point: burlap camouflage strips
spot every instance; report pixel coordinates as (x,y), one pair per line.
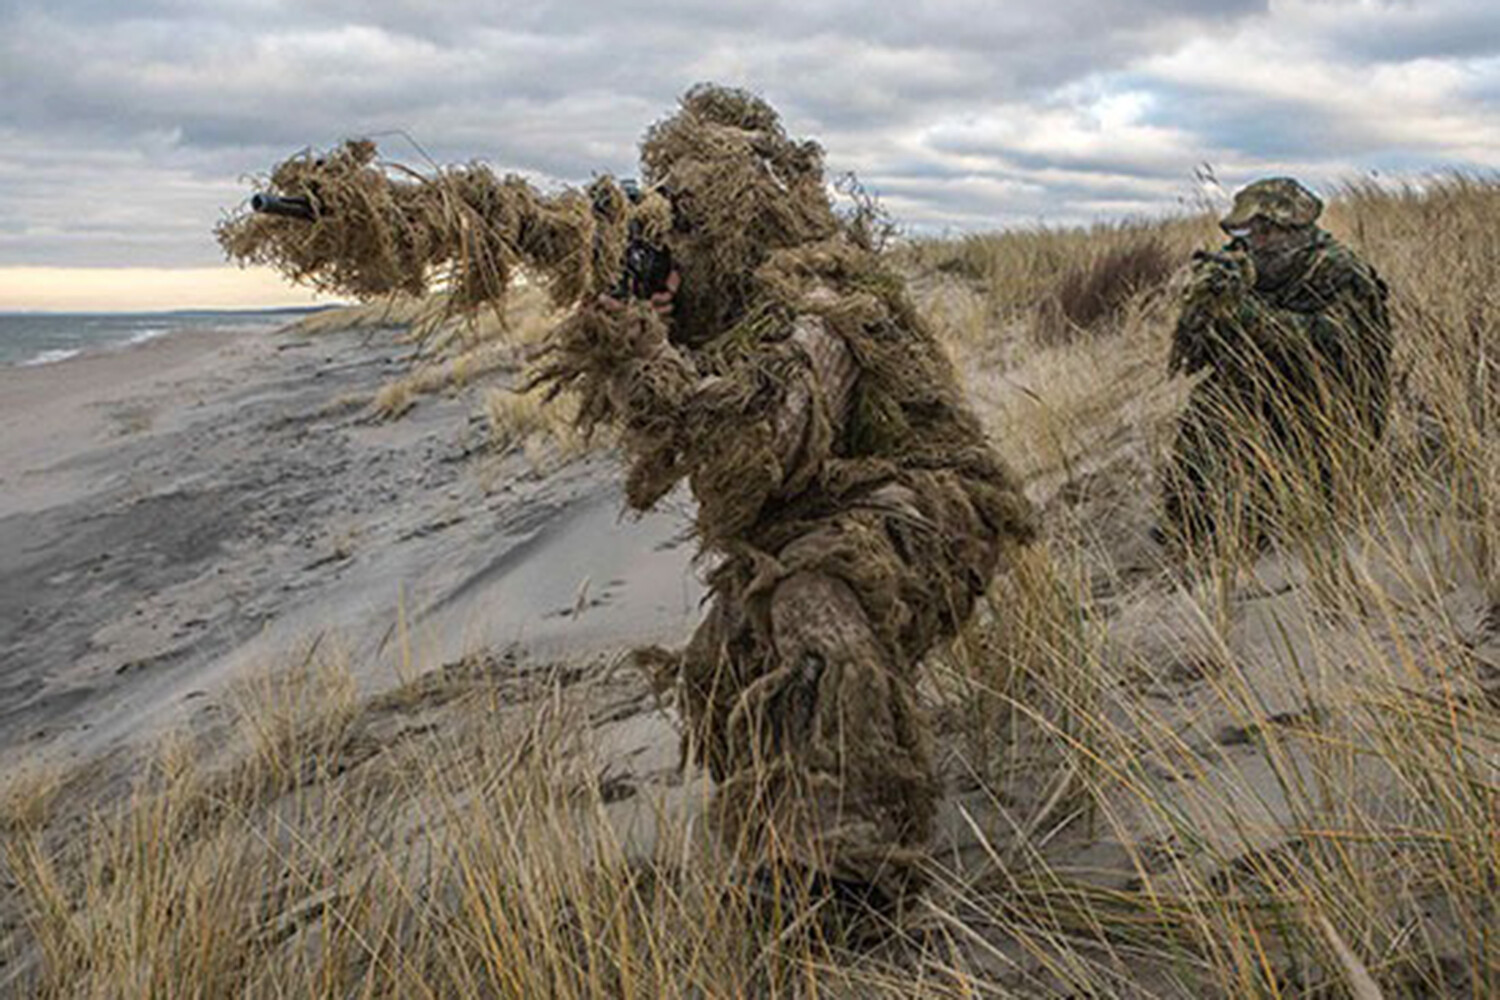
(848,500)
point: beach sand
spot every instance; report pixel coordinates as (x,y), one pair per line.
(197,509)
(202,511)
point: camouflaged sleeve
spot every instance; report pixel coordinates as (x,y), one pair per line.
(1209,317)
(765,428)
(1341,304)
(741,432)
(832,384)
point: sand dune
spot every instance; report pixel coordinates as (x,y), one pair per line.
(183,513)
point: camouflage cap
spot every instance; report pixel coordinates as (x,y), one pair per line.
(1279,199)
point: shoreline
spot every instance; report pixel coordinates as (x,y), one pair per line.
(55,410)
(40,339)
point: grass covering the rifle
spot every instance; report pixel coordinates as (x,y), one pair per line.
(384,229)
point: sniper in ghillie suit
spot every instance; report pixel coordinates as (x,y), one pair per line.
(757,347)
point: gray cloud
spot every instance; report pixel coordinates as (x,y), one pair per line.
(126,125)
(1433,29)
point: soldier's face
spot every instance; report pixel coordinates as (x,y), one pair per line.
(1264,235)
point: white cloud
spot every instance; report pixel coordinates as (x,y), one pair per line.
(125,125)
(1289,98)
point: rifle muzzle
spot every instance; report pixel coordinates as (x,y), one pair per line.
(275,204)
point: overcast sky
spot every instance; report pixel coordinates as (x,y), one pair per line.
(128,126)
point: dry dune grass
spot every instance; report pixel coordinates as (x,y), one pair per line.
(1060,283)
(546,432)
(1236,774)
(458,350)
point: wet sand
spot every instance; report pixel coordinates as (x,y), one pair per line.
(196,509)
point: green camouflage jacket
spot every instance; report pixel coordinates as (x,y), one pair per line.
(1312,321)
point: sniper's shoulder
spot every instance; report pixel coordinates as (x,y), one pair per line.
(1334,270)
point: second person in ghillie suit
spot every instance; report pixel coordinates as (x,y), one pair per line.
(1292,329)
(848,500)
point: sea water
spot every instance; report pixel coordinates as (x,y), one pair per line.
(41,338)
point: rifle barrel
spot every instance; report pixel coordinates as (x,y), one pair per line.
(290,207)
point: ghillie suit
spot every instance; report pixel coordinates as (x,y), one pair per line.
(1297,341)
(847,497)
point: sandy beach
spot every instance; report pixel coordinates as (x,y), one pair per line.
(321,678)
(199,508)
